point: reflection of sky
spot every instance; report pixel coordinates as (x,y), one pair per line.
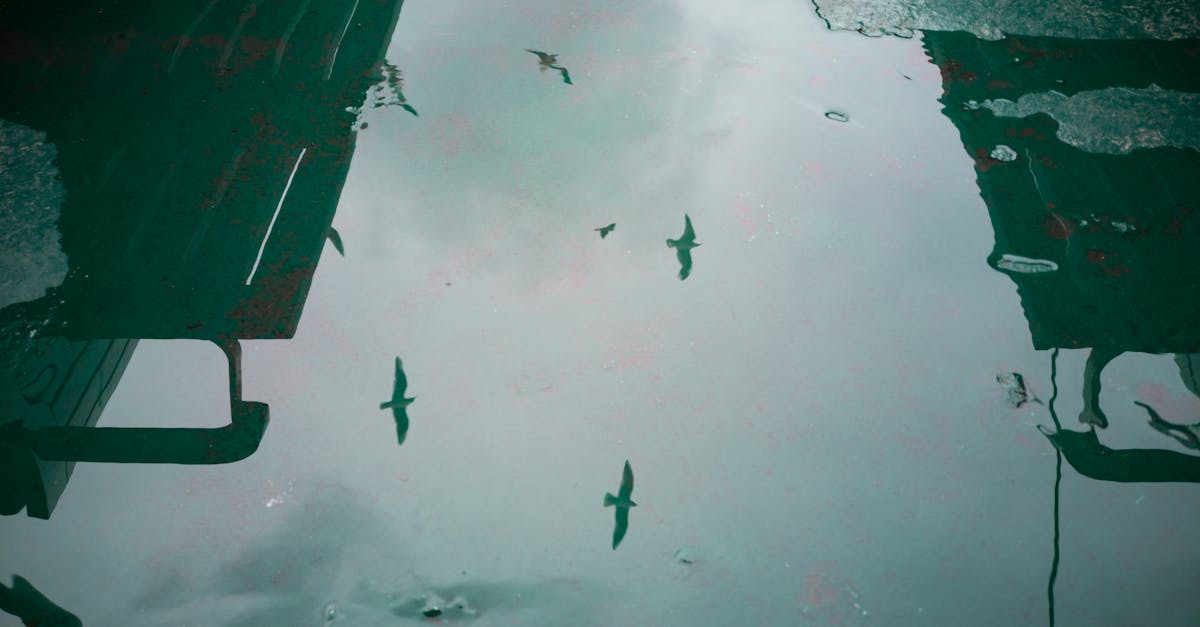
(814,408)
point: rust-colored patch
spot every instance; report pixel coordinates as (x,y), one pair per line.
(984,161)
(1027,132)
(267,313)
(1116,271)
(1016,47)
(999,84)
(952,72)
(250,52)
(1049,163)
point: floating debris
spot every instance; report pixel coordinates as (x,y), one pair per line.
(1018,392)
(435,605)
(1003,153)
(837,116)
(688,554)
(389,92)
(1025,265)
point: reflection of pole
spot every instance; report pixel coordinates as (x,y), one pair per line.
(233,442)
(1057,483)
(1096,361)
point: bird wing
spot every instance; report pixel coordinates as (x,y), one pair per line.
(566,76)
(401,382)
(688,233)
(622,516)
(685,262)
(541,55)
(401,417)
(626,482)
(336,240)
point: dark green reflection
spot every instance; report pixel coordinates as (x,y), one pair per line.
(1097,224)
(32,607)
(203,147)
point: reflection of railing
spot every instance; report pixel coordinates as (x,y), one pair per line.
(38,459)
(1090,458)
(220,445)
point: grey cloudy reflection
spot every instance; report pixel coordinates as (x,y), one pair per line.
(814,410)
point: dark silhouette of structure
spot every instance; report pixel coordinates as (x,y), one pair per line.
(202,147)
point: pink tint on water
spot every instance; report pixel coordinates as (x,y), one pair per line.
(1173,406)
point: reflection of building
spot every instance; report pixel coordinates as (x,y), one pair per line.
(1102,243)
(202,158)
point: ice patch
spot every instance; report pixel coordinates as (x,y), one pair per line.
(1115,120)
(31,198)
(1025,265)
(1003,153)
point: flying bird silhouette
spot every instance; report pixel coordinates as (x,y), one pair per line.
(399,403)
(544,58)
(622,502)
(336,240)
(683,247)
(605,230)
(547,60)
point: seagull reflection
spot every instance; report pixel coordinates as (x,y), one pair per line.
(547,60)
(622,502)
(683,247)
(398,404)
